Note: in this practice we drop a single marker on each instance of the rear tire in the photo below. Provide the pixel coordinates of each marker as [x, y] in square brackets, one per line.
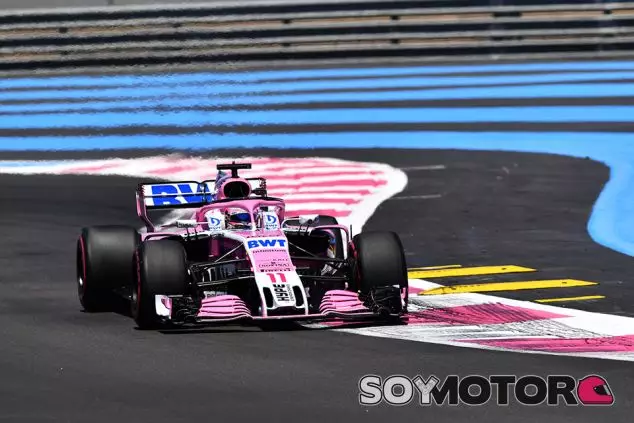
[104, 263]
[161, 268]
[378, 264]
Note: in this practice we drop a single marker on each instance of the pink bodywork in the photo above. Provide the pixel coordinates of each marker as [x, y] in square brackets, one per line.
[225, 308]
[336, 303]
[340, 301]
[266, 260]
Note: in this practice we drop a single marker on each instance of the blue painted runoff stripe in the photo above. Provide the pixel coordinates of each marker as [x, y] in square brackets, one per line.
[119, 80]
[576, 144]
[611, 223]
[390, 115]
[29, 163]
[546, 91]
[291, 86]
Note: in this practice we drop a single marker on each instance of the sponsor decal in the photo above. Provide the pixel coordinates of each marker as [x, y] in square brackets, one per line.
[270, 259]
[275, 265]
[215, 220]
[266, 243]
[271, 221]
[211, 294]
[177, 194]
[283, 293]
[552, 390]
[281, 290]
[273, 260]
[254, 234]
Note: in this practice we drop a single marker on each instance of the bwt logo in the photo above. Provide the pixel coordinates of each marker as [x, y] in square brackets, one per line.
[477, 390]
[271, 219]
[187, 193]
[266, 243]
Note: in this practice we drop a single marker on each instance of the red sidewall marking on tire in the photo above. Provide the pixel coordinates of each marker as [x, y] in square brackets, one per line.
[357, 268]
[83, 260]
[138, 282]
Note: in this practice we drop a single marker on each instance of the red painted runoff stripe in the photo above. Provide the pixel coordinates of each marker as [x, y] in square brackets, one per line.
[344, 189]
[563, 345]
[480, 314]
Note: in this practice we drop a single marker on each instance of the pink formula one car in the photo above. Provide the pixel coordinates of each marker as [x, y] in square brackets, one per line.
[233, 256]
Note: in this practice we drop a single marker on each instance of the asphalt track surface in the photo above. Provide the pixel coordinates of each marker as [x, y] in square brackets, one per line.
[62, 365]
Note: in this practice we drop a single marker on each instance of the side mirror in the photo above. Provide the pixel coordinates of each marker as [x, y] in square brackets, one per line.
[307, 219]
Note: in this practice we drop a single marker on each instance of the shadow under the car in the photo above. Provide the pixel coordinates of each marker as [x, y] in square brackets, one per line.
[272, 327]
[245, 328]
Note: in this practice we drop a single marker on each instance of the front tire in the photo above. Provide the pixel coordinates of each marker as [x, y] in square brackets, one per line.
[378, 267]
[161, 268]
[104, 263]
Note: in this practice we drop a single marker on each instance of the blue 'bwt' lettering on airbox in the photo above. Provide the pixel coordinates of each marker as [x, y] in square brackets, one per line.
[266, 243]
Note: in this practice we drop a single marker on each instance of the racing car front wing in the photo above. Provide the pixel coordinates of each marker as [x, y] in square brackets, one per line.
[381, 303]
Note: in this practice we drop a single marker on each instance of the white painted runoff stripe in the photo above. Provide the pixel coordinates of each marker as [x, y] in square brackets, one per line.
[569, 332]
[349, 190]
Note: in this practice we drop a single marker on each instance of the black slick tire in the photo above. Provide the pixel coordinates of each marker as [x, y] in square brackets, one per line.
[104, 263]
[161, 269]
[378, 261]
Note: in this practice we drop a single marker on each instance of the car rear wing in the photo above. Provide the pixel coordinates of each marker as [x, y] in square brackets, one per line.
[172, 195]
